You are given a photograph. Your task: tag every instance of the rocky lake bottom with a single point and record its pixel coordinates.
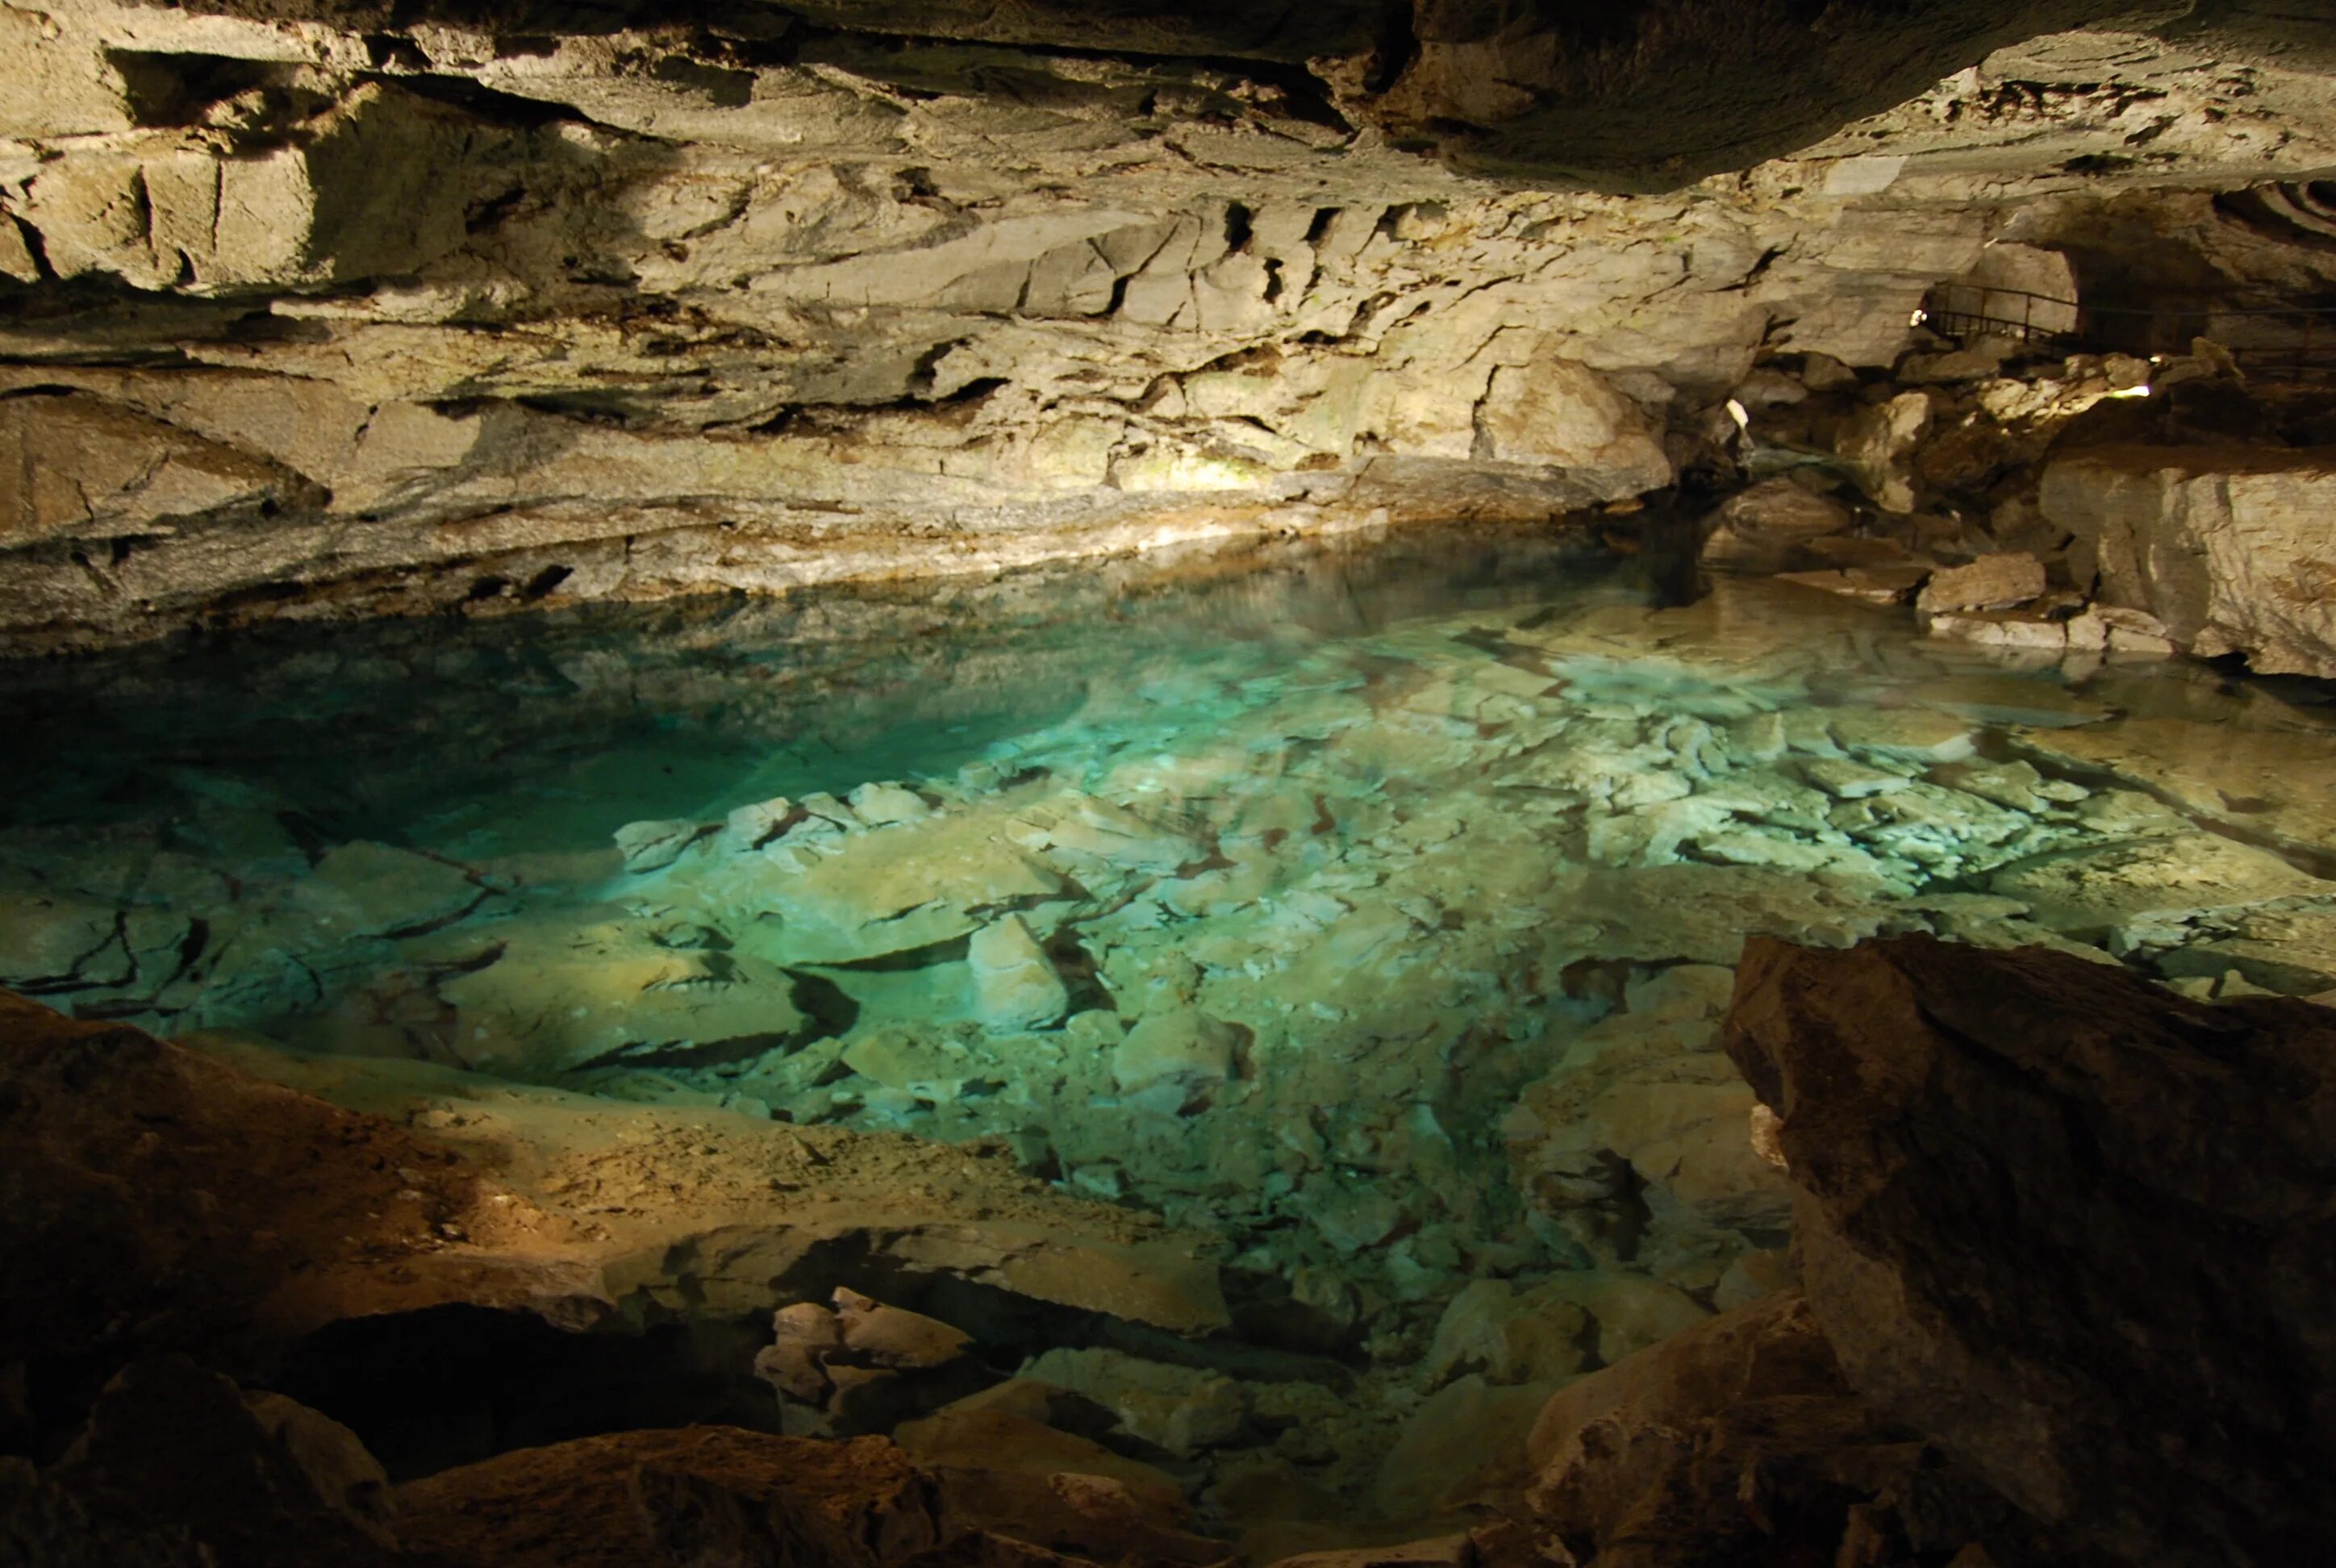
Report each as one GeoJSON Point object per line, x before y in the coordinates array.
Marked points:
{"type": "Point", "coordinates": [1365, 909]}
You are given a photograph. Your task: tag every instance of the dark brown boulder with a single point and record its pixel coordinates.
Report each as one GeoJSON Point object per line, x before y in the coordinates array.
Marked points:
{"type": "Point", "coordinates": [2078, 1230]}
{"type": "Point", "coordinates": [177, 1465]}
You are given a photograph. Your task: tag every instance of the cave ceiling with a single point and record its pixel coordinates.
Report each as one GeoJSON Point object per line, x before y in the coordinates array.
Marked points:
{"type": "Point", "coordinates": [646, 298]}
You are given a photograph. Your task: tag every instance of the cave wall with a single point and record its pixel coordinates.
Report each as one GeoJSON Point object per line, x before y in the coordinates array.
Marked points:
{"type": "Point", "coordinates": [319, 308]}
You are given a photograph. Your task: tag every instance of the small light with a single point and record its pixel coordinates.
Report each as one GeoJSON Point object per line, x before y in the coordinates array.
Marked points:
{"type": "Point", "coordinates": [1735, 412]}
{"type": "Point", "coordinates": [1919, 316]}
{"type": "Point", "coordinates": [2130, 392]}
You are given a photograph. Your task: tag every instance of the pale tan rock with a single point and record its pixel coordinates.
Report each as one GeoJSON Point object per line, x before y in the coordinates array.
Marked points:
{"type": "Point", "coordinates": [1015, 986]}
{"type": "Point", "coordinates": [649, 846]}
{"type": "Point", "coordinates": [49, 938]}
{"type": "Point", "coordinates": [80, 467]}
{"type": "Point", "coordinates": [55, 79]}
{"type": "Point", "coordinates": [1753, 1277]}
{"type": "Point", "coordinates": [2267, 782]}
{"type": "Point", "coordinates": [1999, 629]}
{"type": "Point", "coordinates": [1563, 415]}
{"type": "Point", "coordinates": [894, 890]}
{"type": "Point", "coordinates": [2095, 888]}
{"type": "Point", "coordinates": [1760, 528]}
{"type": "Point", "coordinates": [1991, 582]}
{"type": "Point", "coordinates": [375, 889]}
{"type": "Point", "coordinates": [1184, 1048]}
{"type": "Point", "coordinates": [560, 996]}
{"type": "Point", "coordinates": [2227, 548]}
{"type": "Point", "coordinates": [1508, 1335]}
{"type": "Point", "coordinates": [1871, 584]}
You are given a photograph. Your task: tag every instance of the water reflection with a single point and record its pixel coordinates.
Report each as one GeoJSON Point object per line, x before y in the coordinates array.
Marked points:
{"type": "Point", "coordinates": [1369, 907]}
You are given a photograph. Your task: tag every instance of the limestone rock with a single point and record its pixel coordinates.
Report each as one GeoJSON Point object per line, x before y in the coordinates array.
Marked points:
{"type": "Point", "coordinates": [1563, 415]}
{"type": "Point", "coordinates": [1760, 528]}
{"type": "Point", "coordinates": [1991, 582]}
{"type": "Point", "coordinates": [719, 1493]}
{"type": "Point", "coordinates": [2287, 947]}
{"type": "Point", "coordinates": [1628, 1312]}
{"type": "Point", "coordinates": [1875, 443]}
{"type": "Point", "coordinates": [1465, 1445]}
{"type": "Point", "coordinates": [1015, 986]}
{"type": "Point", "coordinates": [51, 943]}
{"type": "Point", "coordinates": [560, 996]}
{"type": "Point", "coordinates": [2227, 547]}
{"type": "Point", "coordinates": [376, 890]}
{"type": "Point", "coordinates": [865, 1366]}
{"type": "Point", "coordinates": [1181, 1409]}
{"type": "Point", "coordinates": [176, 1465]}
{"type": "Point", "coordinates": [1655, 1458]}
{"type": "Point", "coordinates": [653, 846]}
{"type": "Point", "coordinates": [1509, 1336]}
{"type": "Point", "coordinates": [908, 885]}
{"type": "Point", "coordinates": [877, 804]}
{"type": "Point", "coordinates": [77, 466]}
{"type": "Point", "coordinates": [1185, 1048]}
{"type": "Point", "coordinates": [2098, 888]}
{"type": "Point", "coordinates": [1967, 1297]}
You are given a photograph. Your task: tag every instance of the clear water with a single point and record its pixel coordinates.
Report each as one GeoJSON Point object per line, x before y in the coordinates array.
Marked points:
{"type": "Point", "coordinates": [1367, 905]}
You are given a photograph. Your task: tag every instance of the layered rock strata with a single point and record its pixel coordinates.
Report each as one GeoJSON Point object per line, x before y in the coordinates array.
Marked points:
{"type": "Point", "coordinates": [326, 312]}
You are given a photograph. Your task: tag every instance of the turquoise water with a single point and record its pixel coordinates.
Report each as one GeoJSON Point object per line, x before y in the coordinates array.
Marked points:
{"type": "Point", "coordinates": [1369, 907]}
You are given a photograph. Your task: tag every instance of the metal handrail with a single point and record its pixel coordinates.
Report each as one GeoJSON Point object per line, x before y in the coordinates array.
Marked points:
{"type": "Point", "coordinates": [2146, 329]}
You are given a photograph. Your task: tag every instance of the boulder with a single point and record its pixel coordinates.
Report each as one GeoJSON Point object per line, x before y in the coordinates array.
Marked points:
{"type": "Point", "coordinates": [1508, 1336]}
{"type": "Point", "coordinates": [176, 1467]}
{"type": "Point", "coordinates": [375, 889]}
{"type": "Point", "coordinates": [2094, 888]}
{"type": "Point", "coordinates": [1015, 986]}
{"type": "Point", "coordinates": [1465, 1445]}
{"type": "Point", "coordinates": [2071, 1228]}
{"type": "Point", "coordinates": [1562, 415]}
{"type": "Point", "coordinates": [1991, 582]}
{"type": "Point", "coordinates": [717, 1495]}
{"type": "Point", "coordinates": [1185, 1047]}
{"type": "Point", "coordinates": [558, 996]}
{"type": "Point", "coordinates": [863, 1367]}
{"type": "Point", "coordinates": [2228, 547]}
{"type": "Point", "coordinates": [908, 885]}
{"type": "Point", "coordinates": [1876, 442]}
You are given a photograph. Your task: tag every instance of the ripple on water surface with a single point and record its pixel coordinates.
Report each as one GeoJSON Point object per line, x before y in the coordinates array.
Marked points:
{"type": "Point", "coordinates": [1369, 908]}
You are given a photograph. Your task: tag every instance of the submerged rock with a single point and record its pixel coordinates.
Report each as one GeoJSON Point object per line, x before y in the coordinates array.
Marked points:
{"type": "Point", "coordinates": [1015, 986]}
{"type": "Point", "coordinates": [1185, 1050]}
{"type": "Point", "coordinates": [653, 846]}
